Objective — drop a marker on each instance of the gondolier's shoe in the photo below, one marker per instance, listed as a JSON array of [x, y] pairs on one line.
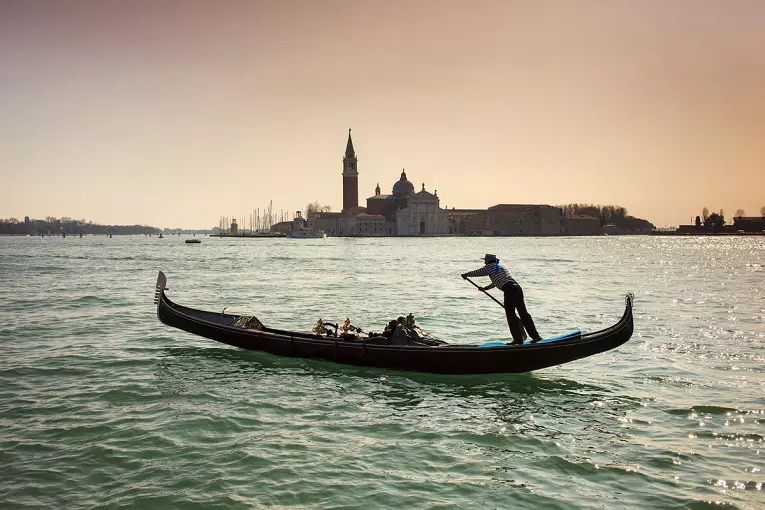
[[515, 342], [536, 340]]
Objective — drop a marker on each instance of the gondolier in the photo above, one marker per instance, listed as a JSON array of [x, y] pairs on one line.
[[502, 280]]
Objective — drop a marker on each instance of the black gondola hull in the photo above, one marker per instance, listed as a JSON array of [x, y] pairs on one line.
[[446, 359]]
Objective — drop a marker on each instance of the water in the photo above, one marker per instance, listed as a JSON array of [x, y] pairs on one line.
[[103, 406]]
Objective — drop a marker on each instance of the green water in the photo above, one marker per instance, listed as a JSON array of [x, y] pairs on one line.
[[103, 406]]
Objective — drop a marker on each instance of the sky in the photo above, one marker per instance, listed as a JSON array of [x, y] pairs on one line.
[[175, 113]]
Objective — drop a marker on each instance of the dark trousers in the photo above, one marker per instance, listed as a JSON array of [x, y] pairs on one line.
[[514, 301]]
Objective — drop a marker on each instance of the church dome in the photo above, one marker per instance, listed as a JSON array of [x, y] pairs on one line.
[[403, 187]]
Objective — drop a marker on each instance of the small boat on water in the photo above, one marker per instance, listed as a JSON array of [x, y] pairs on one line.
[[386, 350], [307, 233], [192, 241]]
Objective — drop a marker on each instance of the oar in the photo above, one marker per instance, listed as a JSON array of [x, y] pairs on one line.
[[523, 330], [481, 289]]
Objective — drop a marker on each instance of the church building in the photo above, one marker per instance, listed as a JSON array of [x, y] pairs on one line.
[[402, 213], [409, 213]]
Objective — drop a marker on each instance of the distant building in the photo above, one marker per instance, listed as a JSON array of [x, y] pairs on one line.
[[283, 227], [362, 224], [524, 219], [507, 220], [749, 223], [326, 221], [689, 229], [469, 221], [581, 225], [234, 228]]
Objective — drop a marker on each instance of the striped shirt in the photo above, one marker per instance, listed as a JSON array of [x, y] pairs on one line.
[[498, 274]]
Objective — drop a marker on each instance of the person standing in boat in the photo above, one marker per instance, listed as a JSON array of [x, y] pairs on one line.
[[502, 280]]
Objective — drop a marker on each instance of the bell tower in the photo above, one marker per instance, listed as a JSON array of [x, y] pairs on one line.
[[350, 176]]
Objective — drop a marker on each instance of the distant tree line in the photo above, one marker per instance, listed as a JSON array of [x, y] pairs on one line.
[[608, 215], [68, 226], [740, 213]]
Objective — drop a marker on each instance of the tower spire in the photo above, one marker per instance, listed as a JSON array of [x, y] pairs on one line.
[[349, 152]]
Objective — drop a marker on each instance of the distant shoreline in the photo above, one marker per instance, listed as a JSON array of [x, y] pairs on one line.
[[704, 234], [229, 236]]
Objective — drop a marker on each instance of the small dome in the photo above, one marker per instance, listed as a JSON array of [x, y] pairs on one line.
[[403, 187]]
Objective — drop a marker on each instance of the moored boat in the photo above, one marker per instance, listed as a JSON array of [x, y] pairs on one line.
[[307, 233], [247, 332]]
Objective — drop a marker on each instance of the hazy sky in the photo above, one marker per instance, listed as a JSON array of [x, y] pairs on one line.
[[174, 113]]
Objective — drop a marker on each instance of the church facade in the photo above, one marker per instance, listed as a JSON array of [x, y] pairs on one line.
[[408, 213]]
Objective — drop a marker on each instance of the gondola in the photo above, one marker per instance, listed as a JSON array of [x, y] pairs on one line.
[[249, 333]]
